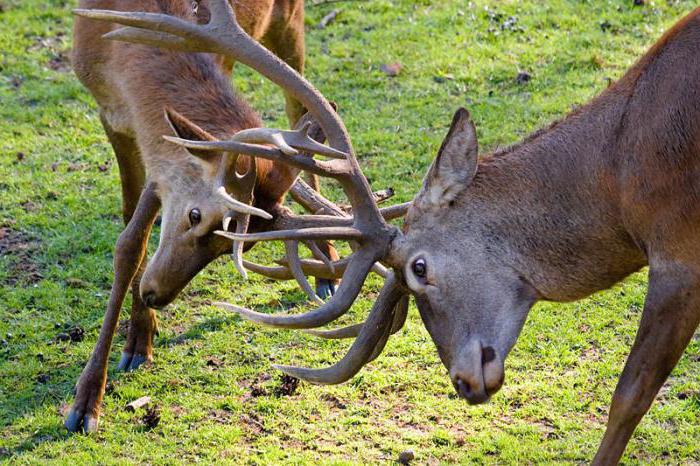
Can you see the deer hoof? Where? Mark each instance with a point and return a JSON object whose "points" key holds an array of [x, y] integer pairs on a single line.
{"points": [[325, 288], [77, 421], [131, 362]]}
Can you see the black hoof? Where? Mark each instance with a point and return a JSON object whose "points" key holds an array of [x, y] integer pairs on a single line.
{"points": [[137, 361], [124, 362], [78, 422], [131, 362], [325, 288]]}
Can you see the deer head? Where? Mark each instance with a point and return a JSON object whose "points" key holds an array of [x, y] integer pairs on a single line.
{"points": [[215, 189], [473, 316], [471, 301]]}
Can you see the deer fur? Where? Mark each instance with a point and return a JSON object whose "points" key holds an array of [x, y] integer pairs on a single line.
{"points": [[144, 93], [571, 210]]}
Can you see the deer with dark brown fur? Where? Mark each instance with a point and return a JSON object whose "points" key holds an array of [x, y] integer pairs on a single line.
{"points": [[573, 209], [144, 93]]}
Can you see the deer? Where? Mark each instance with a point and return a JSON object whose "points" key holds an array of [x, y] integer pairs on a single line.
{"points": [[572, 209], [145, 92]]}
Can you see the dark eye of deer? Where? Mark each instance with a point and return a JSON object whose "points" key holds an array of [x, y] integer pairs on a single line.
{"points": [[419, 268], [195, 217]]}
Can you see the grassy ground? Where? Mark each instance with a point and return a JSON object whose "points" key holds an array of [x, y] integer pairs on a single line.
{"points": [[219, 399]]}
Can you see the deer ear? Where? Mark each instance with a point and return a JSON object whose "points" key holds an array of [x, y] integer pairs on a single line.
{"points": [[455, 165], [186, 129]]}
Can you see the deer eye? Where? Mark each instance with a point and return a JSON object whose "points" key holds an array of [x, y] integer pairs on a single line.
{"points": [[195, 217], [419, 268]]}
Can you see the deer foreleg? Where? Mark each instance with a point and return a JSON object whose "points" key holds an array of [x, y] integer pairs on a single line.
{"points": [[129, 252], [671, 315], [142, 328]]}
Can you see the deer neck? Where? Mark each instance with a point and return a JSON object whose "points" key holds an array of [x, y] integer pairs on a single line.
{"points": [[550, 204]]}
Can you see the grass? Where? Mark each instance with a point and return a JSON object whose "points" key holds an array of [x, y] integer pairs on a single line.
{"points": [[59, 213]]}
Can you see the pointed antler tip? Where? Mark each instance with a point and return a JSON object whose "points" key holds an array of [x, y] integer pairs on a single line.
{"points": [[173, 139]]}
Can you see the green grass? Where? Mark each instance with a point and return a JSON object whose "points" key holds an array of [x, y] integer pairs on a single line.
{"points": [[63, 212]]}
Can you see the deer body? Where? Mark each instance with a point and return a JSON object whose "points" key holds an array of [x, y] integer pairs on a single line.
{"points": [[134, 85], [571, 210]]}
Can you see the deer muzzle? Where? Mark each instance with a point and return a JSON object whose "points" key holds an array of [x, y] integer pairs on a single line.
{"points": [[476, 372]]}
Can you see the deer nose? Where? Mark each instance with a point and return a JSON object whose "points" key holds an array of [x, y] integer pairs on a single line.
{"points": [[149, 298], [466, 391], [477, 373]]}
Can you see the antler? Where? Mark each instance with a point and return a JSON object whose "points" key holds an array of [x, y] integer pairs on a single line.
{"points": [[367, 227]]}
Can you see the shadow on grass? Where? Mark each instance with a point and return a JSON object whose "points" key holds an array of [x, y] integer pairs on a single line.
{"points": [[198, 331], [57, 382]]}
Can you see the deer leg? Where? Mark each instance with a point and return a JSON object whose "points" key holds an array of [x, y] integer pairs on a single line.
{"points": [[326, 288], [142, 329], [129, 252], [143, 324], [671, 315]]}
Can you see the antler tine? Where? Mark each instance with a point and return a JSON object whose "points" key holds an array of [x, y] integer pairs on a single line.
{"points": [[318, 254], [354, 276], [369, 342], [239, 206], [341, 233], [352, 331], [395, 211], [310, 267], [237, 251], [292, 250], [229, 160], [313, 201], [288, 141], [331, 168]]}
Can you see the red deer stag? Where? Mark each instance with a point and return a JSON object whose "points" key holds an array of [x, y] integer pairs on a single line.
{"points": [[143, 93], [571, 210]]}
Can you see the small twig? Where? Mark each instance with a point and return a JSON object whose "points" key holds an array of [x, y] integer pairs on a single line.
{"points": [[328, 19], [139, 403]]}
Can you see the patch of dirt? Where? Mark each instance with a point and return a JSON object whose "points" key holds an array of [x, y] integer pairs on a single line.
{"points": [[21, 248], [391, 69], [254, 424], [256, 387], [72, 333], [52, 43], [288, 386], [214, 363], [29, 206], [60, 62], [219, 416], [151, 418], [334, 401]]}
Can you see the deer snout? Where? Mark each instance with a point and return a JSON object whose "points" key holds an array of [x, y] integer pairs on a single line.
{"points": [[156, 292], [477, 372], [152, 299]]}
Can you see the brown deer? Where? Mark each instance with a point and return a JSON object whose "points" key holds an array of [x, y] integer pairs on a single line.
{"points": [[144, 93], [571, 210]]}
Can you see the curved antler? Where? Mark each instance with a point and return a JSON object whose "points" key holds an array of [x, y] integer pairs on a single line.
{"points": [[370, 340], [367, 230]]}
